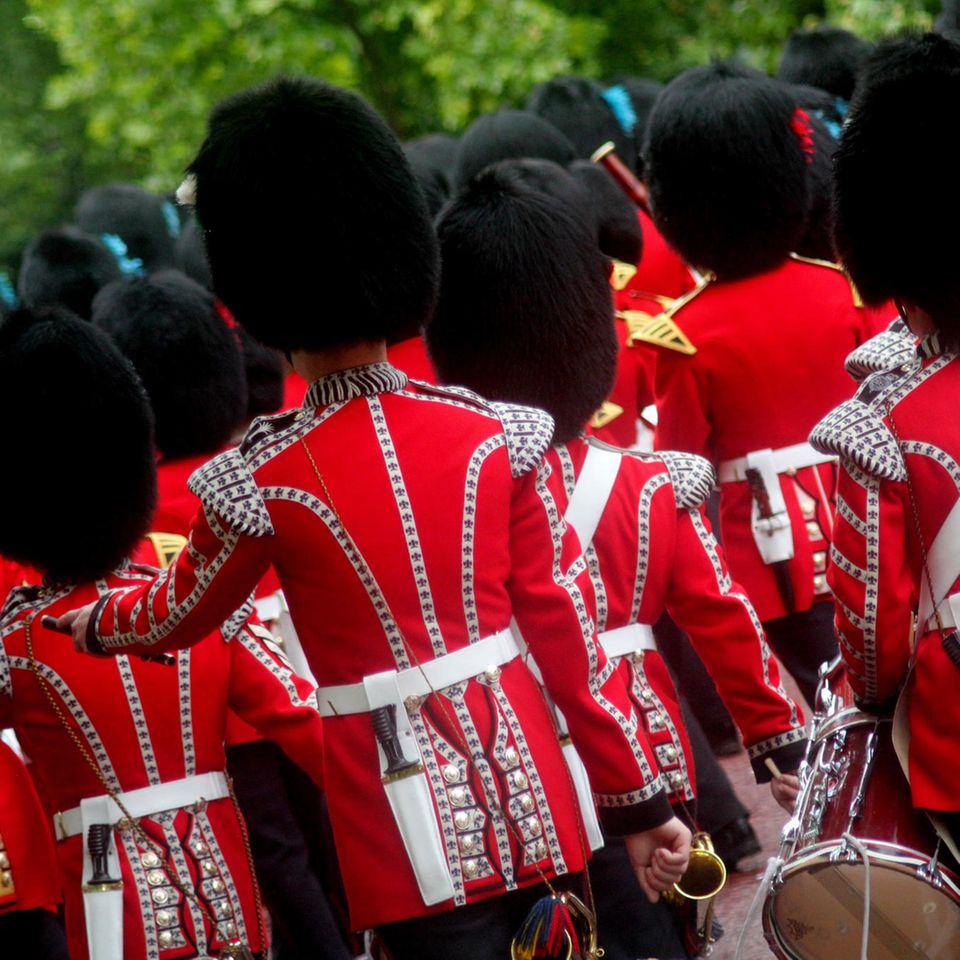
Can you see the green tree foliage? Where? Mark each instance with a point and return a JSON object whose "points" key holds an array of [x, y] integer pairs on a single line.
{"points": [[120, 90]]}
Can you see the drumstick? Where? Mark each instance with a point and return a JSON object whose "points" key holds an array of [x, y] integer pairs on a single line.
{"points": [[771, 765]]}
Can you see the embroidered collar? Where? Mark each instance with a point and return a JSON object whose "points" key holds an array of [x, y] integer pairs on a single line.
{"points": [[930, 346], [363, 381]]}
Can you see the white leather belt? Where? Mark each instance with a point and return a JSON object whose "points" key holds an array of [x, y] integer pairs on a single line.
{"points": [[622, 641], [427, 677], [150, 800], [795, 457]]}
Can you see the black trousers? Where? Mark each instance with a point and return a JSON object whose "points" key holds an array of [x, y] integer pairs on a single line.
{"points": [[303, 921], [802, 641], [37, 934], [629, 925]]}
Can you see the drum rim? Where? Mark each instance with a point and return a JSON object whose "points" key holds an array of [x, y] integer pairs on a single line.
{"points": [[844, 719], [883, 855]]}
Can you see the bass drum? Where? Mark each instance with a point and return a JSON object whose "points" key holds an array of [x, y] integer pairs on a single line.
{"points": [[854, 824]]}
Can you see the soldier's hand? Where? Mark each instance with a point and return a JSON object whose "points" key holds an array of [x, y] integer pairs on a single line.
{"points": [[73, 623], [785, 790], [659, 856]]}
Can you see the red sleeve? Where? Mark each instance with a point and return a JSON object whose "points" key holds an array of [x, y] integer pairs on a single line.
{"points": [[726, 633], [872, 581], [266, 693], [682, 405], [553, 612], [210, 579]]}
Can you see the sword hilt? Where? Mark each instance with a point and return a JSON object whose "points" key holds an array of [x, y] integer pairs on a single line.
{"points": [[385, 729]]}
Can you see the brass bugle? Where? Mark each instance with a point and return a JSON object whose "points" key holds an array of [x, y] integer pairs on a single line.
{"points": [[634, 188], [706, 873]]}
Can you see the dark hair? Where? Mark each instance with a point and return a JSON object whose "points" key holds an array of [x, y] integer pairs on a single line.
{"points": [[727, 171], [825, 57], [65, 268], [86, 488], [525, 312], [188, 360], [317, 233], [894, 208]]}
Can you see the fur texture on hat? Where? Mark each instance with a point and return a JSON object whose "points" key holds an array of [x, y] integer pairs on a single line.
{"points": [[506, 135], [525, 312], [728, 170], [189, 361], [72, 408], [146, 223], [826, 57], [317, 233], [618, 225], [576, 107], [895, 212], [65, 268]]}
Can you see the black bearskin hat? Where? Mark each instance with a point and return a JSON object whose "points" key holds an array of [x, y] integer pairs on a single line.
{"points": [[192, 254], [726, 163], [825, 57], [618, 225], [506, 135], [90, 490], [147, 224], [895, 212], [431, 159], [577, 108], [948, 20], [550, 178], [264, 375], [642, 94], [189, 361], [65, 268], [317, 232], [525, 311]]}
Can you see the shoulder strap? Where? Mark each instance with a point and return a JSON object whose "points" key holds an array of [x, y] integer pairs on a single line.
{"points": [[592, 491], [943, 566]]}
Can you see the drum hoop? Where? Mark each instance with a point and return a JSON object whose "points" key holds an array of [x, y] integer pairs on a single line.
{"points": [[845, 719], [882, 855]]}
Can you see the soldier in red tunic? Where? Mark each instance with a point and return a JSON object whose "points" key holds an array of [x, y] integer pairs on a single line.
{"points": [[409, 525], [895, 562], [517, 251], [727, 158], [120, 738], [29, 878]]}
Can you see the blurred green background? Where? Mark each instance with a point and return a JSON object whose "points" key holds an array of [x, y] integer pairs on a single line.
{"points": [[100, 90]]}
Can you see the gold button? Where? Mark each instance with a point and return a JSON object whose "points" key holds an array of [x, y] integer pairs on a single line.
{"points": [[165, 917], [462, 820], [230, 929], [468, 843], [160, 896], [492, 674], [166, 939], [6, 879], [451, 773], [520, 781], [222, 908], [209, 867], [819, 561], [218, 885], [156, 878], [511, 756], [676, 779], [458, 796], [4, 861], [813, 530], [655, 719], [526, 803], [808, 509], [470, 869], [413, 704], [819, 583], [671, 753], [540, 850], [200, 848]]}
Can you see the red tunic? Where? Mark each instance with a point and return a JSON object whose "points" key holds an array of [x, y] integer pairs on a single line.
{"points": [[660, 272], [28, 866], [146, 723], [617, 425], [432, 527], [901, 424], [769, 364], [653, 551]]}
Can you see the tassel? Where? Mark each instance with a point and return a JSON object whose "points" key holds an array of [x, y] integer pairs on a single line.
{"points": [[548, 933]]}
